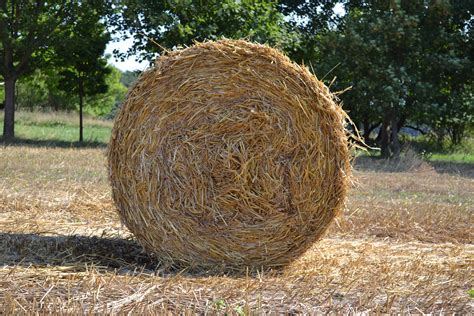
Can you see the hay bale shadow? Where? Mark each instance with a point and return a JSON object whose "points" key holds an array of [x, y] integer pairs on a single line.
{"points": [[111, 254], [79, 253], [52, 143], [460, 169]]}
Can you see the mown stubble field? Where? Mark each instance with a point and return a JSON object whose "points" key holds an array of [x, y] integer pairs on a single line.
{"points": [[403, 244]]}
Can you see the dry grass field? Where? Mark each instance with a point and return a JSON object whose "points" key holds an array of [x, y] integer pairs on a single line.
{"points": [[403, 244]]}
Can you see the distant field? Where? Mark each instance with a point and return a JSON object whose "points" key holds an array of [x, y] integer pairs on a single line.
{"points": [[404, 244], [59, 127], [453, 157], [459, 156], [463, 154], [62, 128]]}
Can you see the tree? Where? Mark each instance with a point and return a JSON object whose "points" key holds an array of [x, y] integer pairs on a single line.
{"points": [[2, 94], [41, 90], [376, 50], [176, 23], [129, 77], [103, 104], [310, 20], [83, 69], [407, 61], [30, 31], [448, 68], [32, 91], [27, 31]]}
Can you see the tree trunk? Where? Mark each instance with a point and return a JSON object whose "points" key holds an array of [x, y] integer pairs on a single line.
{"points": [[81, 102], [367, 130], [384, 138], [401, 122], [395, 143], [9, 118]]}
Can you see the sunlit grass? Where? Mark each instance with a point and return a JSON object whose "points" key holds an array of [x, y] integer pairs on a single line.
{"points": [[66, 133], [59, 126], [64, 127], [453, 157]]}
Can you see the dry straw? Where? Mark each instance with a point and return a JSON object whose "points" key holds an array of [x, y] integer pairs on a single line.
{"points": [[228, 154]]}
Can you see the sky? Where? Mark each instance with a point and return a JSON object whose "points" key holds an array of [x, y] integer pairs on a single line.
{"points": [[130, 63]]}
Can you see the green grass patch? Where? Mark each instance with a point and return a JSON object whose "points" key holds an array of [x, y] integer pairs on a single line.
{"points": [[463, 153], [452, 157], [59, 127], [65, 133]]}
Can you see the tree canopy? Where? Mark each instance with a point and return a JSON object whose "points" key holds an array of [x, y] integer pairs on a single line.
{"points": [[409, 63], [79, 57], [158, 25], [30, 34]]}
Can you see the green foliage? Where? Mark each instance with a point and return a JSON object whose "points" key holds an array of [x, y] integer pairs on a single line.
{"points": [[27, 31], [175, 23], [103, 104], [447, 69], [239, 310], [34, 33], [129, 77], [40, 91], [32, 92], [310, 20], [80, 66], [31, 30], [453, 115], [79, 56], [407, 63], [433, 149]]}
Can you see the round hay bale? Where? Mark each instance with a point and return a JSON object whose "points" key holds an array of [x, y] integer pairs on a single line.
{"points": [[227, 153]]}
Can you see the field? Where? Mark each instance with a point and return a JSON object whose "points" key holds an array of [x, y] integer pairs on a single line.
{"points": [[58, 128], [403, 244]]}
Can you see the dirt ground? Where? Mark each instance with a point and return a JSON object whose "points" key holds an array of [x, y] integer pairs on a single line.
{"points": [[403, 244]]}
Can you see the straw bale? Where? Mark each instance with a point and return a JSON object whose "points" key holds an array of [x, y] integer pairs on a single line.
{"points": [[228, 154]]}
